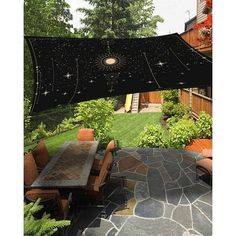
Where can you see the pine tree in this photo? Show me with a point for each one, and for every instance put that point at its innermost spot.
(119, 19)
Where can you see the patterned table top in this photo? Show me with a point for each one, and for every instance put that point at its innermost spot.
(70, 167)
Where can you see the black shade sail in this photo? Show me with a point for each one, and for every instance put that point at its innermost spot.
(71, 70)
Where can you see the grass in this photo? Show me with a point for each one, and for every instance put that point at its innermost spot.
(126, 128)
(53, 143)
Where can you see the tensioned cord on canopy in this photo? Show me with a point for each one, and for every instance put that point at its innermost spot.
(151, 70)
(71, 70)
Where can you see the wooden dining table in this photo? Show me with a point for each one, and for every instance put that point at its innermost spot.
(70, 167)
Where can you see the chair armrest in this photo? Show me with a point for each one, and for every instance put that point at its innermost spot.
(99, 185)
(44, 194)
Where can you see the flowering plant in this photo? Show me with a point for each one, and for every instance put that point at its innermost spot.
(208, 4)
(205, 29)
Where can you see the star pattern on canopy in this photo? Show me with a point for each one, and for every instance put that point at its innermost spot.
(71, 70)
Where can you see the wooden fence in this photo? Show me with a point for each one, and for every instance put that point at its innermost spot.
(196, 101)
(150, 97)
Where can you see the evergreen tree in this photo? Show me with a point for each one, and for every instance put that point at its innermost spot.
(43, 226)
(119, 19)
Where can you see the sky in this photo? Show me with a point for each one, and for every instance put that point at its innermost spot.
(172, 11)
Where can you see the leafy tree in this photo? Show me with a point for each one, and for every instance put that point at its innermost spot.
(47, 18)
(119, 19)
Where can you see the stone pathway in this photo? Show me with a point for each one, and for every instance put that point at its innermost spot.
(163, 196)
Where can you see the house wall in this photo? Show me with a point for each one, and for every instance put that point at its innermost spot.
(200, 6)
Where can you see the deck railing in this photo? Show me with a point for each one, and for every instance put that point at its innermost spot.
(192, 37)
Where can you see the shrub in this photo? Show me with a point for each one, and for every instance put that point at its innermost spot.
(66, 124)
(168, 109)
(171, 121)
(27, 106)
(43, 226)
(40, 132)
(152, 136)
(204, 125)
(97, 114)
(170, 95)
(182, 133)
(180, 110)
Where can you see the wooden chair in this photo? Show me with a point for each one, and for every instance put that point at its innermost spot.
(41, 155)
(205, 165)
(48, 197)
(85, 135)
(95, 183)
(30, 170)
(97, 164)
(207, 153)
(53, 202)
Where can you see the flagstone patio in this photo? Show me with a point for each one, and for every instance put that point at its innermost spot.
(162, 197)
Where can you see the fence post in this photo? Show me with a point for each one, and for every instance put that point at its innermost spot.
(190, 97)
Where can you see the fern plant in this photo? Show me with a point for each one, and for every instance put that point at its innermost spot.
(43, 226)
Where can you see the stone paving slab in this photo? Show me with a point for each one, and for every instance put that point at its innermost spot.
(145, 227)
(149, 208)
(200, 222)
(98, 228)
(164, 197)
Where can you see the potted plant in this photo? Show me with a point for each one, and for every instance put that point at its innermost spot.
(205, 30)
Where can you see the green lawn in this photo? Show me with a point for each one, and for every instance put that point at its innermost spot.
(126, 128)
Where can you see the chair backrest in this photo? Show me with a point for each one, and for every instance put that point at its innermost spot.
(40, 154)
(107, 161)
(30, 169)
(111, 146)
(85, 135)
(101, 180)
